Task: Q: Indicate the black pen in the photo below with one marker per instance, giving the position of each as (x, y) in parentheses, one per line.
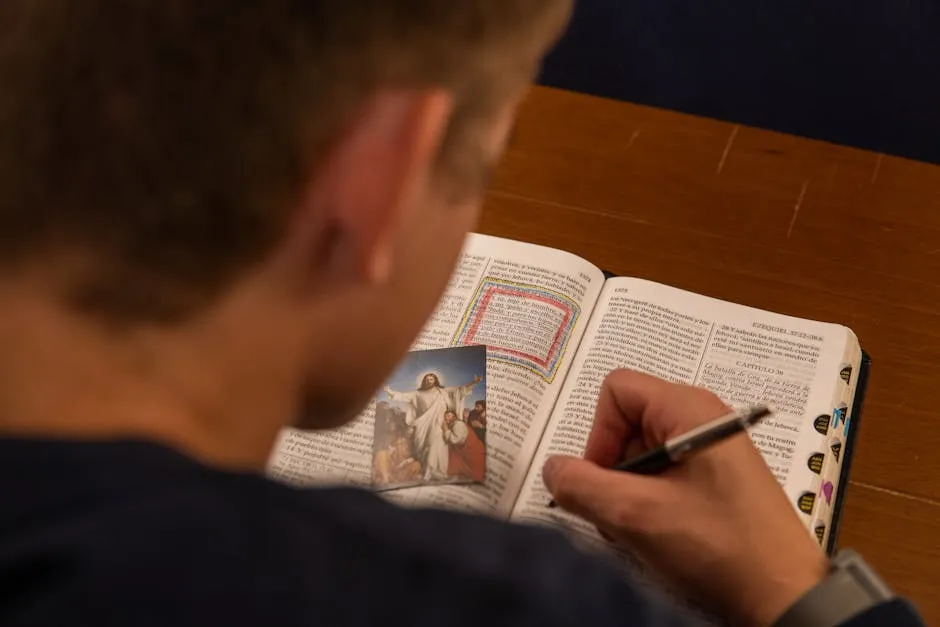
(674, 451)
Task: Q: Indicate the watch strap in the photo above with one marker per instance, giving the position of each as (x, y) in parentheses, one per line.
(851, 588)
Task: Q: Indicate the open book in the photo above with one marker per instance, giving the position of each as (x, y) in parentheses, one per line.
(554, 326)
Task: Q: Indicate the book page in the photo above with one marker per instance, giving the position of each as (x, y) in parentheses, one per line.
(529, 306)
(742, 354)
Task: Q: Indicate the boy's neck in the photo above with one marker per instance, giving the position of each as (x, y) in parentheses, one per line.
(62, 378)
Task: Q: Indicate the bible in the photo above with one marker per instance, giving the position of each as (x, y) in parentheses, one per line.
(553, 326)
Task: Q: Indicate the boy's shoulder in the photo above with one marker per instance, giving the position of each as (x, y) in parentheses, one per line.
(129, 539)
(447, 567)
(269, 554)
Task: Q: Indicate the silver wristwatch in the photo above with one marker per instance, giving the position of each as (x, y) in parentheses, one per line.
(852, 587)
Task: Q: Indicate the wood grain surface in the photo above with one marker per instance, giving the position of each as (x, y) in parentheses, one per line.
(782, 223)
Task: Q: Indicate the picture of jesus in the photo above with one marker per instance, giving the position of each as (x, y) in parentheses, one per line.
(423, 434)
(425, 409)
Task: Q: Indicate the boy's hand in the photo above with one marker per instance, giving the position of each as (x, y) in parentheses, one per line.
(719, 527)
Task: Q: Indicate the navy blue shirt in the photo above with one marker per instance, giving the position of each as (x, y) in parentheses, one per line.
(134, 534)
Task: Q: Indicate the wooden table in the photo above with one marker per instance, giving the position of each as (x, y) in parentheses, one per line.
(782, 223)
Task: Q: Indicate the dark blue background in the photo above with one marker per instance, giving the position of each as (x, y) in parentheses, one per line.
(857, 72)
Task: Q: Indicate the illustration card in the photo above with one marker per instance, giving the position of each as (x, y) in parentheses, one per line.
(430, 420)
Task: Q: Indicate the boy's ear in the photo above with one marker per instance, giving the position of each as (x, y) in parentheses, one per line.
(349, 222)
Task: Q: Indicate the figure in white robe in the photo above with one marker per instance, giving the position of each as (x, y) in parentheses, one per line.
(425, 409)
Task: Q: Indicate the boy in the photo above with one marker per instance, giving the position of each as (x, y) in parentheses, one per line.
(214, 213)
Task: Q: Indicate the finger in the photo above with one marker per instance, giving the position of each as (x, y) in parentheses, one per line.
(635, 447)
(662, 408)
(610, 430)
(610, 500)
(626, 396)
